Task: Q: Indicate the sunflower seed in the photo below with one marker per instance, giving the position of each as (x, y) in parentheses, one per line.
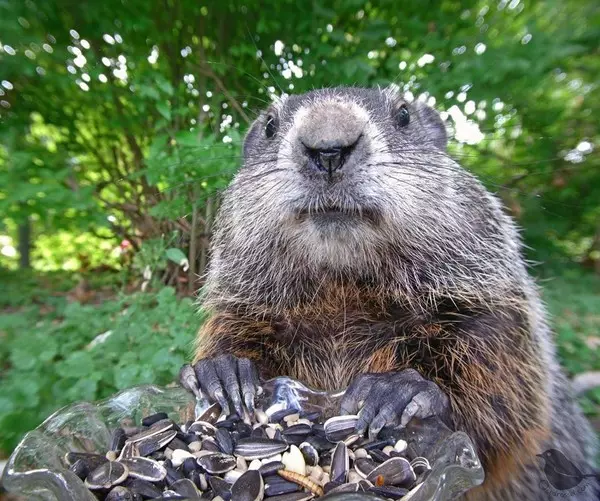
(256, 448)
(249, 487)
(106, 476)
(217, 463)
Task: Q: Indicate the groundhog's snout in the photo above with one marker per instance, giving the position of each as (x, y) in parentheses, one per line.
(329, 134)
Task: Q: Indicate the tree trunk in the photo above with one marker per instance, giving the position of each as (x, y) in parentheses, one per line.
(24, 244)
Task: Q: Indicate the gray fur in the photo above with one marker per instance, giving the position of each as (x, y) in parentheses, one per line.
(432, 230)
(422, 197)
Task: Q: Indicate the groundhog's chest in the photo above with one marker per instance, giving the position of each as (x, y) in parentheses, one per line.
(328, 352)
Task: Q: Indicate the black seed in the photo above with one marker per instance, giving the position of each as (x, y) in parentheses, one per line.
(147, 446)
(363, 485)
(340, 427)
(340, 463)
(258, 433)
(224, 441)
(178, 444)
(275, 486)
(369, 445)
(165, 424)
(378, 455)
(318, 430)
(325, 458)
(157, 456)
(172, 475)
(186, 488)
(228, 424)
(394, 471)
(216, 463)
(311, 416)
(154, 418)
(202, 428)
(220, 487)
(144, 468)
(211, 414)
(188, 466)
(278, 416)
(343, 488)
(209, 444)
(142, 487)
(106, 475)
(364, 466)
(244, 429)
(319, 443)
(120, 493)
(271, 468)
(296, 434)
(329, 486)
(311, 456)
(249, 487)
(80, 468)
(117, 440)
(197, 477)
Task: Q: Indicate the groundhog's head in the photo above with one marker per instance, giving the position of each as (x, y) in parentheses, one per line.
(354, 182)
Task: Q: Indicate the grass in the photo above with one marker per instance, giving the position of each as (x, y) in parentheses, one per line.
(59, 343)
(573, 301)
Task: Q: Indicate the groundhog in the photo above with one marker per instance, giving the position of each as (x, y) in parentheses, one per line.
(352, 250)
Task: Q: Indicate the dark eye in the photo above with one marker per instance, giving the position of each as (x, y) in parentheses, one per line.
(403, 116)
(270, 127)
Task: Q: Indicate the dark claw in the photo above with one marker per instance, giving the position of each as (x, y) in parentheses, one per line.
(226, 368)
(385, 416)
(249, 382)
(356, 393)
(188, 379)
(227, 380)
(393, 399)
(209, 380)
(427, 403)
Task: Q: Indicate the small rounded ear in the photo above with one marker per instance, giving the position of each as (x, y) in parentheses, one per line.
(252, 138)
(434, 127)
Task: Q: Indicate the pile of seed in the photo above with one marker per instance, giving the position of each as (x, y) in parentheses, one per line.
(279, 455)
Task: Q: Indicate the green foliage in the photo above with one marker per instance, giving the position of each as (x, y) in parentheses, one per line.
(55, 351)
(65, 250)
(573, 300)
(127, 118)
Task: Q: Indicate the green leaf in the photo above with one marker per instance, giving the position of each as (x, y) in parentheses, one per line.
(165, 86)
(149, 91)
(176, 255)
(164, 109)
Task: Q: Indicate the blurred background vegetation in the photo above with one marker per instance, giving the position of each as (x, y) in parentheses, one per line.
(122, 120)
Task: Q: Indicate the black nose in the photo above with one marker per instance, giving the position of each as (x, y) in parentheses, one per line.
(329, 159)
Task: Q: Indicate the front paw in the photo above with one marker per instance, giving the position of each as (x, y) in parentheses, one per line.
(224, 379)
(393, 399)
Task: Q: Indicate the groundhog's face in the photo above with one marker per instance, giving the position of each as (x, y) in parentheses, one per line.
(337, 173)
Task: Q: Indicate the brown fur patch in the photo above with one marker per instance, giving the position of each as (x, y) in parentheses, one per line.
(383, 360)
(505, 468)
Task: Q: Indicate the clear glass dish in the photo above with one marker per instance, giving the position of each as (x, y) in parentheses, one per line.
(36, 469)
